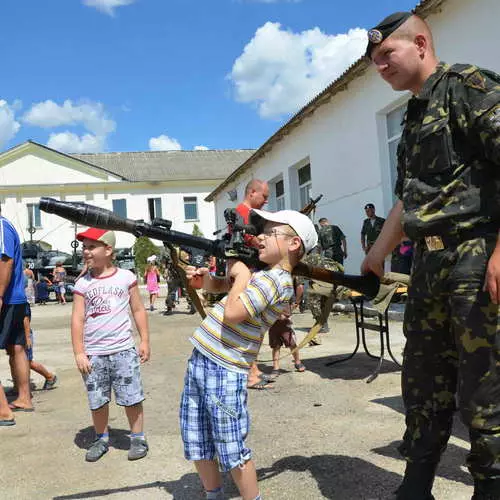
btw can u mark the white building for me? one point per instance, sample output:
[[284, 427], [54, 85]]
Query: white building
[[343, 143], [167, 184]]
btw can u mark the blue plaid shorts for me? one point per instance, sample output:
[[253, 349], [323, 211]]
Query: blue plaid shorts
[[121, 372], [214, 414]]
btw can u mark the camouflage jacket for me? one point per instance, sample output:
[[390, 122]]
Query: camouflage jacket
[[449, 154], [372, 231]]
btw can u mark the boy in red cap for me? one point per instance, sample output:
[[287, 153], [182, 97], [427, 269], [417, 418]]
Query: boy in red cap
[[101, 332]]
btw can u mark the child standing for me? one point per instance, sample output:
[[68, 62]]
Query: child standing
[[101, 332], [152, 278], [214, 415], [282, 334]]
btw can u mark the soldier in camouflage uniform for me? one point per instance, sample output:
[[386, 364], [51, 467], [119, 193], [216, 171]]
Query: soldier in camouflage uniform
[[449, 204], [316, 301]]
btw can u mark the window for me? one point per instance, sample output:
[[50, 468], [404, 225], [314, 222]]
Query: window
[[394, 122], [280, 195], [305, 184], [190, 208], [154, 206], [120, 207], [34, 217]]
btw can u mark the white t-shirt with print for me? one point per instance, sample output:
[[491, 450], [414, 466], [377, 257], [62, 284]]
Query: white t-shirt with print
[[107, 325]]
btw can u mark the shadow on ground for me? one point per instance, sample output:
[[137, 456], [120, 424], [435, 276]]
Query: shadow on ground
[[396, 403], [452, 459], [359, 367], [118, 438], [337, 476]]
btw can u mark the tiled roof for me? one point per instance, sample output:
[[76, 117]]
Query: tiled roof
[[151, 166], [424, 8]]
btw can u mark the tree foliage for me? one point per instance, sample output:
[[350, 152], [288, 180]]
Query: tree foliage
[[196, 230], [143, 248]]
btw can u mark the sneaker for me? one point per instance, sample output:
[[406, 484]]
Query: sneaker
[[97, 450], [138, 448], [49, 384], [324, 329]]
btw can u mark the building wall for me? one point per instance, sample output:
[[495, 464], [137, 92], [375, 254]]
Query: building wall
[[346, 139]]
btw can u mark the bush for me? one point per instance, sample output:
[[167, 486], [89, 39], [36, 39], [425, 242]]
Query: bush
[[143, 248], [196, 230]]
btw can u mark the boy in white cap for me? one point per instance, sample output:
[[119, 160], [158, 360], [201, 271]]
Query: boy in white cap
[[101, 332], [214, 414]]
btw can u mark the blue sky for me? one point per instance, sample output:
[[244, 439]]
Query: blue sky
[[134, 75]]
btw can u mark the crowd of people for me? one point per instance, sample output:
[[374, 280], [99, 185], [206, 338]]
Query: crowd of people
[[446, 212]]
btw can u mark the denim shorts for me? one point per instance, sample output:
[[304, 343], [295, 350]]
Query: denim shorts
[[120, 371], [214, 415]]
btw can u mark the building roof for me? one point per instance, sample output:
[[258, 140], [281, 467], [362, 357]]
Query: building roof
[[151, 166], [424, 8]]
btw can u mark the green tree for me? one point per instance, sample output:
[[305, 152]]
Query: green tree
[[196, 230], [143, 248]]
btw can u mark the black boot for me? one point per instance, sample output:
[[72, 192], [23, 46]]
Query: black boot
[[486, 489], [417, 482]]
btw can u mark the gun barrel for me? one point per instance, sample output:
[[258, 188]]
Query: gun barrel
[[89, 215], [367, 284]]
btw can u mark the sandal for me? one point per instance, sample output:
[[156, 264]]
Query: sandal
[[261, 385], [269, 379], [276, 372], [300, 367]]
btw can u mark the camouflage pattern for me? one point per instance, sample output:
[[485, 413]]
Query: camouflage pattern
[[330, 241], [315, 300], [448, 157], [371, 232], [449, 180]]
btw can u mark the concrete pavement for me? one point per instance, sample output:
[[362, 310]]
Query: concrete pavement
[[320, 434]]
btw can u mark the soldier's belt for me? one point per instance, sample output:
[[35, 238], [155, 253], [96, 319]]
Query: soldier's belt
[[440, 242]]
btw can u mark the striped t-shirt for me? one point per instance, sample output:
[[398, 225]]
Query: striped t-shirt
[[235, 346]]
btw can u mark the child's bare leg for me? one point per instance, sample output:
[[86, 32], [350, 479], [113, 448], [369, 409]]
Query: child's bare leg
[[100, 419], [245, 478], [21, 375], [135, 415], [39, 368], [208, 470], [276, 358]]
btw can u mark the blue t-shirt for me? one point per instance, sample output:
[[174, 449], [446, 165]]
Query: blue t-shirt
[[10, 246]]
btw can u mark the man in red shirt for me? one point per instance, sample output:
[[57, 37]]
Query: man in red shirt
[[256, 195]]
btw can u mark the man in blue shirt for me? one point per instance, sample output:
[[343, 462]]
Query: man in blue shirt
[[13, 305]]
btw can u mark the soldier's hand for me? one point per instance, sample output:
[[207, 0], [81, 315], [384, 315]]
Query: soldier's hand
[[373, 263], [492, 280]]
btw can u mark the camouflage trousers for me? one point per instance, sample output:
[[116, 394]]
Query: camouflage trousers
[[452, 356], [316, 304]]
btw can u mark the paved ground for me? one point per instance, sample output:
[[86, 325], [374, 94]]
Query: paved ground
[[324, 433]]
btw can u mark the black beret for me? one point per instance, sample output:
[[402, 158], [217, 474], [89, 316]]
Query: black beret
[[384, 29]]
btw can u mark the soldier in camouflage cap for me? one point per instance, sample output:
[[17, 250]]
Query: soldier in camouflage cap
[[448, 189]]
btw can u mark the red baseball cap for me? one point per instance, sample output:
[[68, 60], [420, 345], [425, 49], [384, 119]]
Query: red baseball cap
[[104, 235]]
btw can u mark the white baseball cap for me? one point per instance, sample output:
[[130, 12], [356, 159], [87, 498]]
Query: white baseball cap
[[300, 223], [151, 258]]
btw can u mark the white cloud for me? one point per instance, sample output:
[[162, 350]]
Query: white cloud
[[89, 115], [9, 127], [68, 142], [107, 6], [200, 148], [280, 71], [164, 143]]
